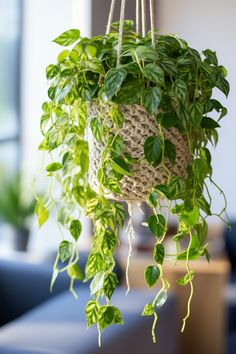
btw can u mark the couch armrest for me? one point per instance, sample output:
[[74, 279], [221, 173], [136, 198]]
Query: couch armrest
[[24, 286]]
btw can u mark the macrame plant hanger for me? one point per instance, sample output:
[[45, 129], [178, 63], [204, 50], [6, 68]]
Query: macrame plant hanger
[[140, 4]]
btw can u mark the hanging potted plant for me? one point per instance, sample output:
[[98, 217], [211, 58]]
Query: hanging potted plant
[[129, 118]]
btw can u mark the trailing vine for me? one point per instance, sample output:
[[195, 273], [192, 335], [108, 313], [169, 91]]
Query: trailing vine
[[174, 83]]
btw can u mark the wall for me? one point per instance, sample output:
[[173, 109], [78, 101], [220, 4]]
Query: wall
[[211, 24]]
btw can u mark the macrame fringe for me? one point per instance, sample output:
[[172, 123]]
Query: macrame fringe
[[131, 237]]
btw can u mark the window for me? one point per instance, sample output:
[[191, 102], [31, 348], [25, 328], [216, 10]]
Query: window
[[10, 11]]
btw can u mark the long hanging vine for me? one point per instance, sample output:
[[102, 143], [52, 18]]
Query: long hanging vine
[[92, 86]]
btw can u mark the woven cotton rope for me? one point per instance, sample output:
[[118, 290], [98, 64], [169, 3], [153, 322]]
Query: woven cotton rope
[[138, 125]]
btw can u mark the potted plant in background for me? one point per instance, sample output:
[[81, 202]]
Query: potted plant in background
[[16, 209], [130, 118]]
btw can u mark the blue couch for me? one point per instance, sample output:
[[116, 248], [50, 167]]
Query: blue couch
[[33, 321], [230, 245]]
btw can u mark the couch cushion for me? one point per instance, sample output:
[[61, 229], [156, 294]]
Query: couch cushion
[[10, 350], [24, 285], [58, 326], [31, 283]]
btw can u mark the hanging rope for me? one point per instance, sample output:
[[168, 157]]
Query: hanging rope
[[137, 16], [111, 15], [122, 18], [152, 23], [144, 14]]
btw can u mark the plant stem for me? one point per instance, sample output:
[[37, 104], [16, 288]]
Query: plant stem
[[191, 284], [154, 326]]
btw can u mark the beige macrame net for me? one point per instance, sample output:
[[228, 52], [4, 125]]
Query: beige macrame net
[[138, 125]]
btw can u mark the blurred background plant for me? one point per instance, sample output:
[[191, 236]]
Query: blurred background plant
[[16, 208]]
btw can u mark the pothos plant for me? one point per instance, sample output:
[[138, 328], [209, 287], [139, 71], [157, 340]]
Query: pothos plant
[[174, 84]]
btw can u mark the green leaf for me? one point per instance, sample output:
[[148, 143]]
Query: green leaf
[[223, 110], [110, 283], [191, 254], [153, 149], [109, 315], [109, 242], [128, 25], [195, 55], [180, 90], [97, 283], [168, 65], [185, 60], [112, 185], [120, 166], [176, 188], [186, 279], [91, 50], [202, 232], [66, 73], [157, 225], [159, 253], [94, 264], [222, 84], [41, 212], [95, 66], [130, 93], [152, 98], [52, 93], [68, 37], [45, 123], [113, 81], [167, 120], [51, 71], [163, 190], [152, 274], [148, 310], [93, 208], [190, 216], [119, 214], [63, 55], [91, 311], [97, 129], [209, 123], [212, 136], [211, 57], [75, 229], [195, 113], [53, 167], [222, 70], [118, 146], [80, 195], [146, 53], [204, 205], [170, 151], [153, 199], [75, 272], [65, 250], [154, 73], [117, 116]]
